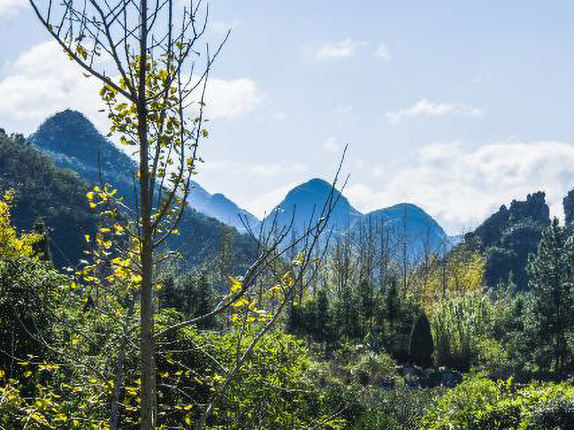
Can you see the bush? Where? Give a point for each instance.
(375, 369)
(480, 403)
(556, 414)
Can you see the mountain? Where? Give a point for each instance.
(44, 192)
(509, 236)
(220, 207)
(73, 142)
(406, 221)
(303, 206)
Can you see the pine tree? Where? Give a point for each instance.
(322, 321)
(551, 276)
(346, 319)
(204, 301)
(366, 295)
(421, 345)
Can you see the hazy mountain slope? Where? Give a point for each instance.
(96, 158)
(303, 205)
(305, 202)
(220, 207)
(405, 221)
(73, 142)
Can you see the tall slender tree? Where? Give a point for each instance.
(551, 274)
(148, 58)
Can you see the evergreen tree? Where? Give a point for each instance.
(550, 273)
(204, 301)
(366, 296)
(346, 318)
(322, 321)
(421, 344)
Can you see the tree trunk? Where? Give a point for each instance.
(147, 416)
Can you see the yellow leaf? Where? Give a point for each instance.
(236, 285)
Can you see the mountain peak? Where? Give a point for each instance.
(73, 139)
(71, 119)
(316, 184)
(304, 203)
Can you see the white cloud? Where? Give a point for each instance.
(43, 81)
(10, 6)
(332, 144)
(338, 50)
(382, 52)
(461, 185)
(425, 107)
(232, 98)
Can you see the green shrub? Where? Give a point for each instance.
(556, 414)
(480, 403)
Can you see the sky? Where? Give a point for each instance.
(456, 106)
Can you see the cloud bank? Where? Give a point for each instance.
(338, 50)
(43, 81)
(460, 185)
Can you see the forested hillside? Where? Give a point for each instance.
(45, 195)
(377, 324)
(508, 237)
(72, 142)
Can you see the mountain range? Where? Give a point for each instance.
(73, 142)
(404, 223)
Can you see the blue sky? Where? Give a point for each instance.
(457, 106)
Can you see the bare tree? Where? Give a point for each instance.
(145, 55)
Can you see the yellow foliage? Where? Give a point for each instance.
(460, 273)
(13, 244)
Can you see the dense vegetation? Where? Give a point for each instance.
(365, 346)
(45, 194)
(72, 142)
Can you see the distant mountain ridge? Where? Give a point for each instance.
(220, 207)
(304, 204)
(73, 142)
(408, 222)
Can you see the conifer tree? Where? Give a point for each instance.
(421, 344)
(550, 273)
(322, 318)
(204, 301)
